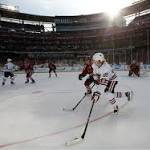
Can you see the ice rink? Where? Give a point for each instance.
(31, 115)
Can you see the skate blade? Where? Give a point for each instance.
(74, 141)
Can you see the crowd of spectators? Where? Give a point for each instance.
(15, 39)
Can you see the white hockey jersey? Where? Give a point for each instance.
(105, 71)
(9, 67)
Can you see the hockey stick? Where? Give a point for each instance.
(72, 109)
(95, 98)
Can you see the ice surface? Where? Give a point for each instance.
(31, 116)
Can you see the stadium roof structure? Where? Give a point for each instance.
(23, 16)
(133, 9)
(136, 8)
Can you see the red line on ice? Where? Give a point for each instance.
(54, 133)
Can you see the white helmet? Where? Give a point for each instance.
(98, 56)
(9, 60)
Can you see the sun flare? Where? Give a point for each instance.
(113, 7)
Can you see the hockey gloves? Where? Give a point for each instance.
(80, 76)
(96, 96)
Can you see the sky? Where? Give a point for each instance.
(67, 7)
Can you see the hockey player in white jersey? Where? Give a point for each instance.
(103, 74)
(8, 70)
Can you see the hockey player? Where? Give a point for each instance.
(103, 74)
(8, 70)
(134, 69)
(87, 70)
(28, 67)
(52, 67)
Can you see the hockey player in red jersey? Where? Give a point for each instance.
(52, 67)
(134, 69)
(28, 67)
(87, 70)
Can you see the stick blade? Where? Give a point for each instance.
(74, 141)
(67, 109)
